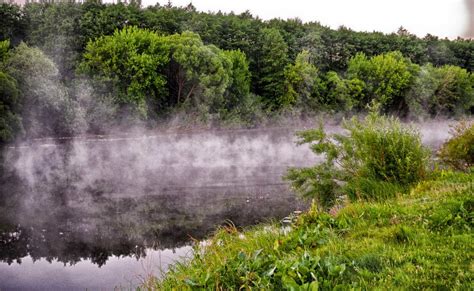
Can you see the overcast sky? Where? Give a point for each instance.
(445, 18)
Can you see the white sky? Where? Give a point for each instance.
(445, 18)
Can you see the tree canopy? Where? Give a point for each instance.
(76, 66)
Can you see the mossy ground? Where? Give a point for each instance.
(419, 240)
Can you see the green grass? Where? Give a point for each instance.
(420, 240)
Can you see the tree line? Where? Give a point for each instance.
(153, 62)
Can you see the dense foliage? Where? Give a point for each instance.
(132, 60)
(10, 122)
(458, 151)
(386, 78)
(374, 159)
(116, 61)
(46, 107)
(418, 241)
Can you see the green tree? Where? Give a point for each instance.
(387, 77)
(166, 19)
(46, 108)
(198, 73)
(454, 92)
(55, 29)
(300, 79)
(463, 51)
(12, 23)
(292, 30)
(447, 90)
(312, 42)
(438, 51)
(338, 48)
(163, 71)
(238, 89)
(101, 19)
(272, 60)
(10, 121)
(133, 61)
(341, 94)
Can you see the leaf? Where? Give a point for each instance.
(256, 253)
(313, 286)
(190, 282)
(289, 282)
(271, 271)
(276, 245)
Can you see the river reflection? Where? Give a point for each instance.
(111, 243)
(108, 243)
(128, 226)
(123, 273)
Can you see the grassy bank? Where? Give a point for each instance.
(422, 239)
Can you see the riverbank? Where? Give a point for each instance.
(422, 239)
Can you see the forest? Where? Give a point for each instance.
(74, 68)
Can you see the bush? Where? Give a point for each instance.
(458, 152)
(377, 158)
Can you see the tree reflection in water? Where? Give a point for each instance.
(128, 226)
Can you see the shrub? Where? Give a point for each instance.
(458, 152)
(377, 158)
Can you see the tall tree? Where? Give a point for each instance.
(198, 73)
(55, 29)
(238, 89)
(46, 108)
(271, 62)
(133, 61)
(300, 79)
(12, 23)
(10, 120)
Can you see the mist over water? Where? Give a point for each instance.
(74, 173)
(153, 164)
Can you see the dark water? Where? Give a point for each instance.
(105, 213)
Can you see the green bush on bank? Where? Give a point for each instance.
(377, 158)
(458, 152)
